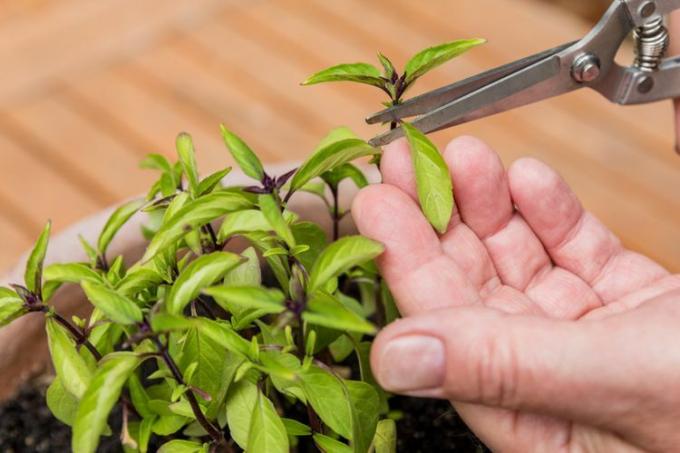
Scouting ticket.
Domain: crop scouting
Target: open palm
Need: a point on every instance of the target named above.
(544, 316)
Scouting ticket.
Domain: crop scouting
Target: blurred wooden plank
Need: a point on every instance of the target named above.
(32, 185)
(102, 166)
(86, 35)
(14, 241)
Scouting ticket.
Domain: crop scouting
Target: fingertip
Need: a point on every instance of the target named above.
(544, 199)
(480, 184)
(397, 167)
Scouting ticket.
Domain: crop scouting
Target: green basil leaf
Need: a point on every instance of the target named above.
(71, 368)
(330, 156)
(187, 157)
(34, 265)
(272, 212)
(210, 182)
(365, 409)
(242, 222)
(329, 398)
(267, 432)
(325, 310)
(71, 273)
(295, 428)
(214, 367)
(240, 404)
(195, 214)
(334, 177)
(99, 398)
(181, 446)
(11, 306)
(139, 397)
(433, 180)
(115, 222)
(246, 297)
(385, 440)
(202, 272)
(430, 58)
(311, 234)
(341, 256)
(155, 161)
(387, 65)
(248, 273)
(116, 307)
(243, 155)
(89, 250)
(137, 280)
(351, 72)
(167, 425)
(224, 335)
(329, 445)
(61, 402)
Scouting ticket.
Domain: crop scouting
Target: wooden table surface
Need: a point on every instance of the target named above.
(89, 87)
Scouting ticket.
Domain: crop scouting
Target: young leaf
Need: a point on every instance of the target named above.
(116, 307)
(193, 215)
(352, 72)
(156, 162)
(385, 440)
(119, 217)
(341, 256)
(267, 433)
(187, 157)
(272, 212)
(240, 404)
(331, 156)
(212, 181)
(387, 65)
(202, 272)
(99, 399)
(11, 306)
(224, 335)
(70, 272)
(432, 57)
(61, 402)
(330, 445)
(270, 300)
(433, 180)
(324, 310)
(71, 368)
(334, 177)
(182, 446)
(34, 266)
(243, 155)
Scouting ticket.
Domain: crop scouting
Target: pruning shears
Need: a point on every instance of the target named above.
(588, 63)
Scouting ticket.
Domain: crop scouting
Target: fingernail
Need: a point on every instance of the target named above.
(412, 363)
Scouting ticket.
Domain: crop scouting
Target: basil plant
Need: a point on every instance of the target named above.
(264, 348)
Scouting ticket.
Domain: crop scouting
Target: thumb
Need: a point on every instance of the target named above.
(570, 369)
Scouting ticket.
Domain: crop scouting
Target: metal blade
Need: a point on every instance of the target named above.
(434, 99)
(542, 80)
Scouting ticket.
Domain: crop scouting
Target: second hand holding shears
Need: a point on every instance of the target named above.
(588, 63)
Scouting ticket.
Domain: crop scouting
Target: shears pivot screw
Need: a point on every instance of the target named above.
(586, 68)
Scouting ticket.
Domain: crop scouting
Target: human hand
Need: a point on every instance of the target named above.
(528, 314)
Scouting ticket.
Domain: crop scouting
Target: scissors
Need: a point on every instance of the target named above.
(588, 63)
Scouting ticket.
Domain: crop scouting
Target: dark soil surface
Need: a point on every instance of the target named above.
(27, 426)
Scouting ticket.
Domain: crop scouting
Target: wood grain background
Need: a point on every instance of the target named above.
(89, 87)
